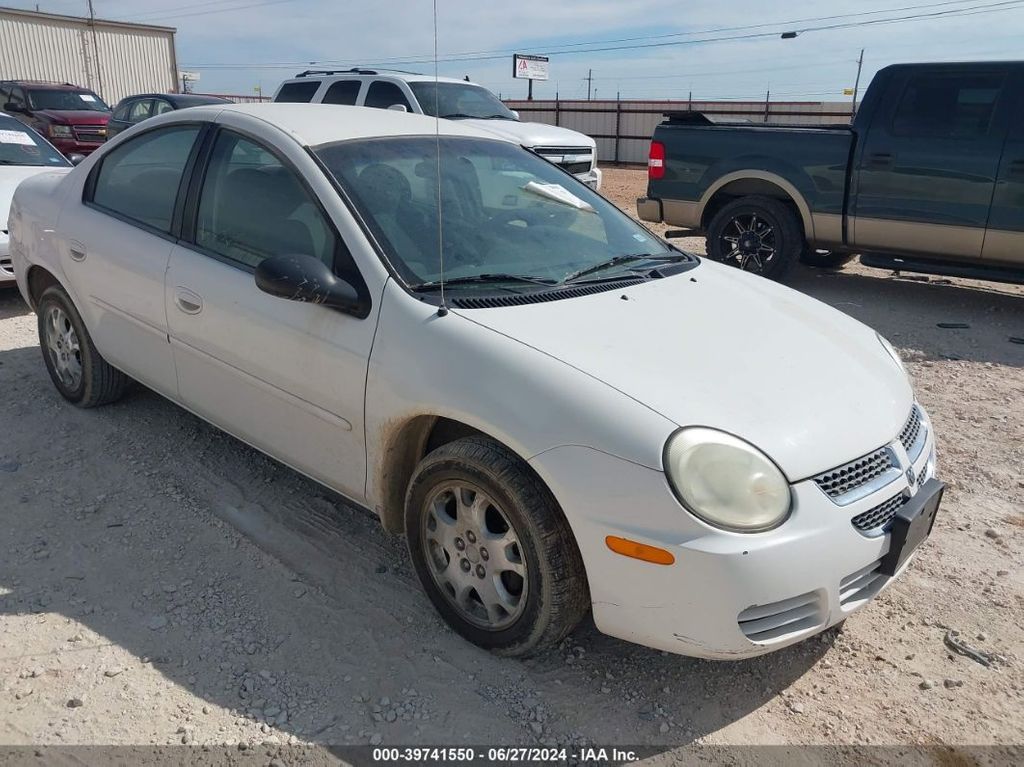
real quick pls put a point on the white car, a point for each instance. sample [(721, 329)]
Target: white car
[(23, 153), (576, 417), (459, 100)]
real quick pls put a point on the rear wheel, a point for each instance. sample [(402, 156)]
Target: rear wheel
[(76, 368), (757, 234), (492, 549)]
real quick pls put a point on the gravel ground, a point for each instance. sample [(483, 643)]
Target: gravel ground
[(161, 583)]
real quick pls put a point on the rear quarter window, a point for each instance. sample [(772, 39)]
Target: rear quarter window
[(297, 93)]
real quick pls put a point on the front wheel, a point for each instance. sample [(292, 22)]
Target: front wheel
[(757, 234), (492, 548)]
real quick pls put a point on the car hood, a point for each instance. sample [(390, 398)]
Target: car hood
[(10, 177), (73, 116), (808, 385), (533, 134)]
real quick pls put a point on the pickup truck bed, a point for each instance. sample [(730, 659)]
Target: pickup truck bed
[(928, 177)]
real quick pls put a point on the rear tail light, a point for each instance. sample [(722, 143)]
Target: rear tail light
[(656, 161)]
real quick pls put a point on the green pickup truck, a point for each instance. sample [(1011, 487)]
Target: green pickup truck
[(928, 178)]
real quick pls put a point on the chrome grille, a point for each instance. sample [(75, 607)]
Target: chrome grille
[(911, 434), (765, 623), (574, 159), (876, 519), (93, 133), (845, 484)]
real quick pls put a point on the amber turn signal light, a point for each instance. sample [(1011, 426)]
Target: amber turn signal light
[(637, 550)]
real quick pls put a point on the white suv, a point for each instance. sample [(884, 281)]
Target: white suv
[(456, 100)]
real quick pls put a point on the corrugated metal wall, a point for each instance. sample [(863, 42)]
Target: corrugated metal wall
[(623, 129), (115, 60)]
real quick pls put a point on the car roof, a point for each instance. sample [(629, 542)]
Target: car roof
[(179, 99), (315, 124), (46, 84), (409, 77)]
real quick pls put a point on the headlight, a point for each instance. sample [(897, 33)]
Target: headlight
[(725, 481), (892, 352), (59, 131)]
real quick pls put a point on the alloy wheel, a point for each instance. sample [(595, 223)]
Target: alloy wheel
[(748, 242), (474, 555), (63, 347)]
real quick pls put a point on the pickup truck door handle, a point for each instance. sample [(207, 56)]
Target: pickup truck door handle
[(188, 301), (880, 159), (76, 250)]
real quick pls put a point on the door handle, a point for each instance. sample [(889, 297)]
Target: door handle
[(76, 250), (880, 159), (188, 301)]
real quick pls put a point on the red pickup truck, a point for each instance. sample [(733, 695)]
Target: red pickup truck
[(74, 119)]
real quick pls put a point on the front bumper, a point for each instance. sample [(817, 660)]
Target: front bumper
[(591, 178), (728, 595), (70, 146), (6, 264)]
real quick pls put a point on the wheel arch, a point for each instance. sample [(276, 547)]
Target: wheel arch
[(405, 445), (39, 279), (744, 183)]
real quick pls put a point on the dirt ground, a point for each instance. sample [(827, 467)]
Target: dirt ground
[(162, 583)]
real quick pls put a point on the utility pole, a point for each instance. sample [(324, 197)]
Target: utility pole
[(860, 63), (95, 49), (590, 77)]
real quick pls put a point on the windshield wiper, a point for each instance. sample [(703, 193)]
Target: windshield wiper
[(484, 278), (626, 258), (459, 116)]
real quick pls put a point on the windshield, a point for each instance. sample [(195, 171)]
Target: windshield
[(23, 146), (460, 101), (505, 211), (65, 100)]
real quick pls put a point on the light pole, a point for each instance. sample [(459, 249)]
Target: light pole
[(860, 63)]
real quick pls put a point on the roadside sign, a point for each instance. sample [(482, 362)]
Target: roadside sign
[(529, 67), (189, 76), (847, 91)]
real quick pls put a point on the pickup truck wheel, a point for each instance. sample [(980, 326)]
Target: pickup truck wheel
[(826, 259), (76, 368), (756, 234), (492, 549)]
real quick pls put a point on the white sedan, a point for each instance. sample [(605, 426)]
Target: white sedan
[(561, 412), (23, 153)]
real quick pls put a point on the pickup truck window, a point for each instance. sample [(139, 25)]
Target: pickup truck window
[(949, 106), (139, 180)]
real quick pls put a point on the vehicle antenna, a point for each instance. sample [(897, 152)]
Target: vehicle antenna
[(443, 309)]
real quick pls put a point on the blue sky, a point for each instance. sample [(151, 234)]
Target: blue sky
[(238, 45)]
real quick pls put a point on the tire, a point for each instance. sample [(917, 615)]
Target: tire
[(529, 612), (826, 259), (757, 234), (76, 368)]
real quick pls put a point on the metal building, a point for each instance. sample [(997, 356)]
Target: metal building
[(113, 58)]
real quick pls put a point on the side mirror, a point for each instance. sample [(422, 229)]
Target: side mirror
[(75, 158), (399, 107), (10, 106), (515, 114), (310, 280)]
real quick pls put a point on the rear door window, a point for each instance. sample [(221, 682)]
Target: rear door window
[(343, 92), (935, 105), (383, 94), (139, 180), (297, 93), (140, 110)]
